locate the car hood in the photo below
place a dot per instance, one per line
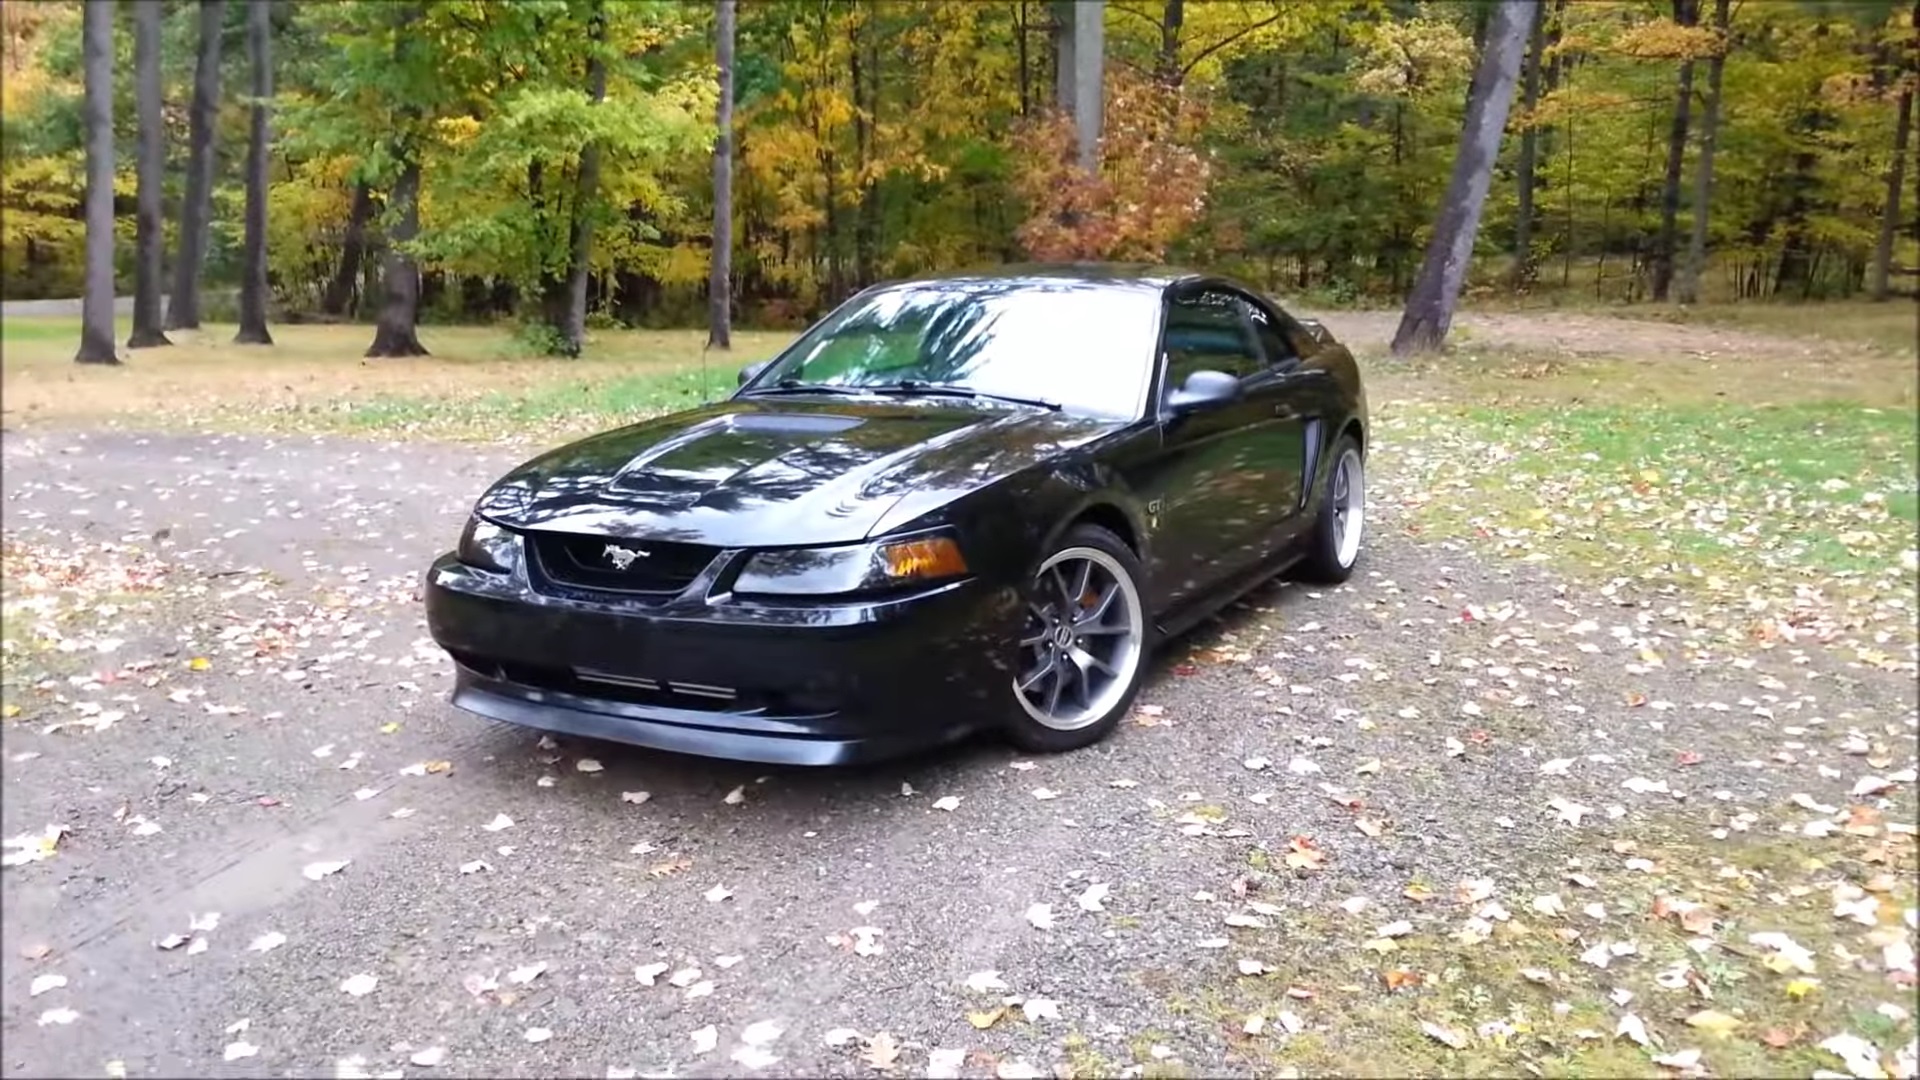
(777, 472)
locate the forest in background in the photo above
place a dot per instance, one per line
(1303, 145)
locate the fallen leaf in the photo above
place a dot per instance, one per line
(944, 1064)
(1634, 1028)
(737, 796)
(882, 1051)
(314, 871)
(537, 1035)
(983, 982)
(586, 765)
(499, 822)
(359, 985)
(984, 1020)
(1714, 1022)
(717, 894)
(1040, 916)
(44, 983)
(635, 797)
(58, 1016)
(761, 1032)
(1444, 1035)
(948, 803)
(1094, 898)
(1040, 1009)
(237, 1050)
(705, 1039)
(1303, 855)
(647, 973)
(1859, 1055)
(430, 1057)
(524, 975)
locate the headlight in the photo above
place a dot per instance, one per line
(854, 568)
(488, 546)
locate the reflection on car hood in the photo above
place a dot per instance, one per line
(776, 471)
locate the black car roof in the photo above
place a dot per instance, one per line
(1146, 275)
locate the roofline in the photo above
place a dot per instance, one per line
(1149, 275)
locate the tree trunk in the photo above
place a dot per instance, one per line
(352, 249)
(1686, 13)
(571, 309)
(1089, 55)
(1062, 33)
(397, 333)
(1882, 287)
(150, 168)
(96, 303)
(253, 274)
(196, 208)
(1689, 283)
(720, 265)
(1522, 272)
(1795, 269)
(1173, 19)
(1429, 313)
(1020, 27)
(866, 95)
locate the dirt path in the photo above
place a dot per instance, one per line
(1423, 728)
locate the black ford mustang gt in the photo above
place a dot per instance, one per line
(955, 504)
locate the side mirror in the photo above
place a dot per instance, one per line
(747, 373)
(1204, 389)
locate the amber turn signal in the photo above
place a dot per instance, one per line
(931, 557)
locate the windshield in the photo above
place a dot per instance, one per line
(1088, 348)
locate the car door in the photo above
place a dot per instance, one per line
(1288, 386)
(1207, 492)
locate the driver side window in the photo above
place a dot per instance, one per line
(1207, 332)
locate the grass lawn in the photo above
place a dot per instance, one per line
(478, 384)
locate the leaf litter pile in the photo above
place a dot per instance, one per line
(1458, 816)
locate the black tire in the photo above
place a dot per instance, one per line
(1023, 728)
(1323, 562)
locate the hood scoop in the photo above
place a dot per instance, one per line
(682, 468)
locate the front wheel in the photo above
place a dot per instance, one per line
(1333, 547)
(1082, 651)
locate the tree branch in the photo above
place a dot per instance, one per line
(1226, 41)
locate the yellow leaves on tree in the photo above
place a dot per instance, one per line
(1150, 186)
(1663, 39)
(1407, 59)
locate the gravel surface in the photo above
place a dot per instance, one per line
(1310, 748)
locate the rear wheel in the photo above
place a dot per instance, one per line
(1333, 547)
(1082, 651)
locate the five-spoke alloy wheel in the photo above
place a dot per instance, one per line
(1333, 547)
(1083, 647)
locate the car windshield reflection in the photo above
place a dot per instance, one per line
(1085, 347)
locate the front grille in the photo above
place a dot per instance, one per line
(636, 690)
(653, 568)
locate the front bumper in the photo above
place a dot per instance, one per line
(806, 683)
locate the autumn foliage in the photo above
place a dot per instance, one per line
(1150, 186)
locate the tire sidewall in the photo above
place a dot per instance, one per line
(1029, 734)
(1322, 563)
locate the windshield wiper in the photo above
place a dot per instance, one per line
(795, 386)
(933, 389)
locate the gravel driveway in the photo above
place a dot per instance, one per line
(285, 855)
